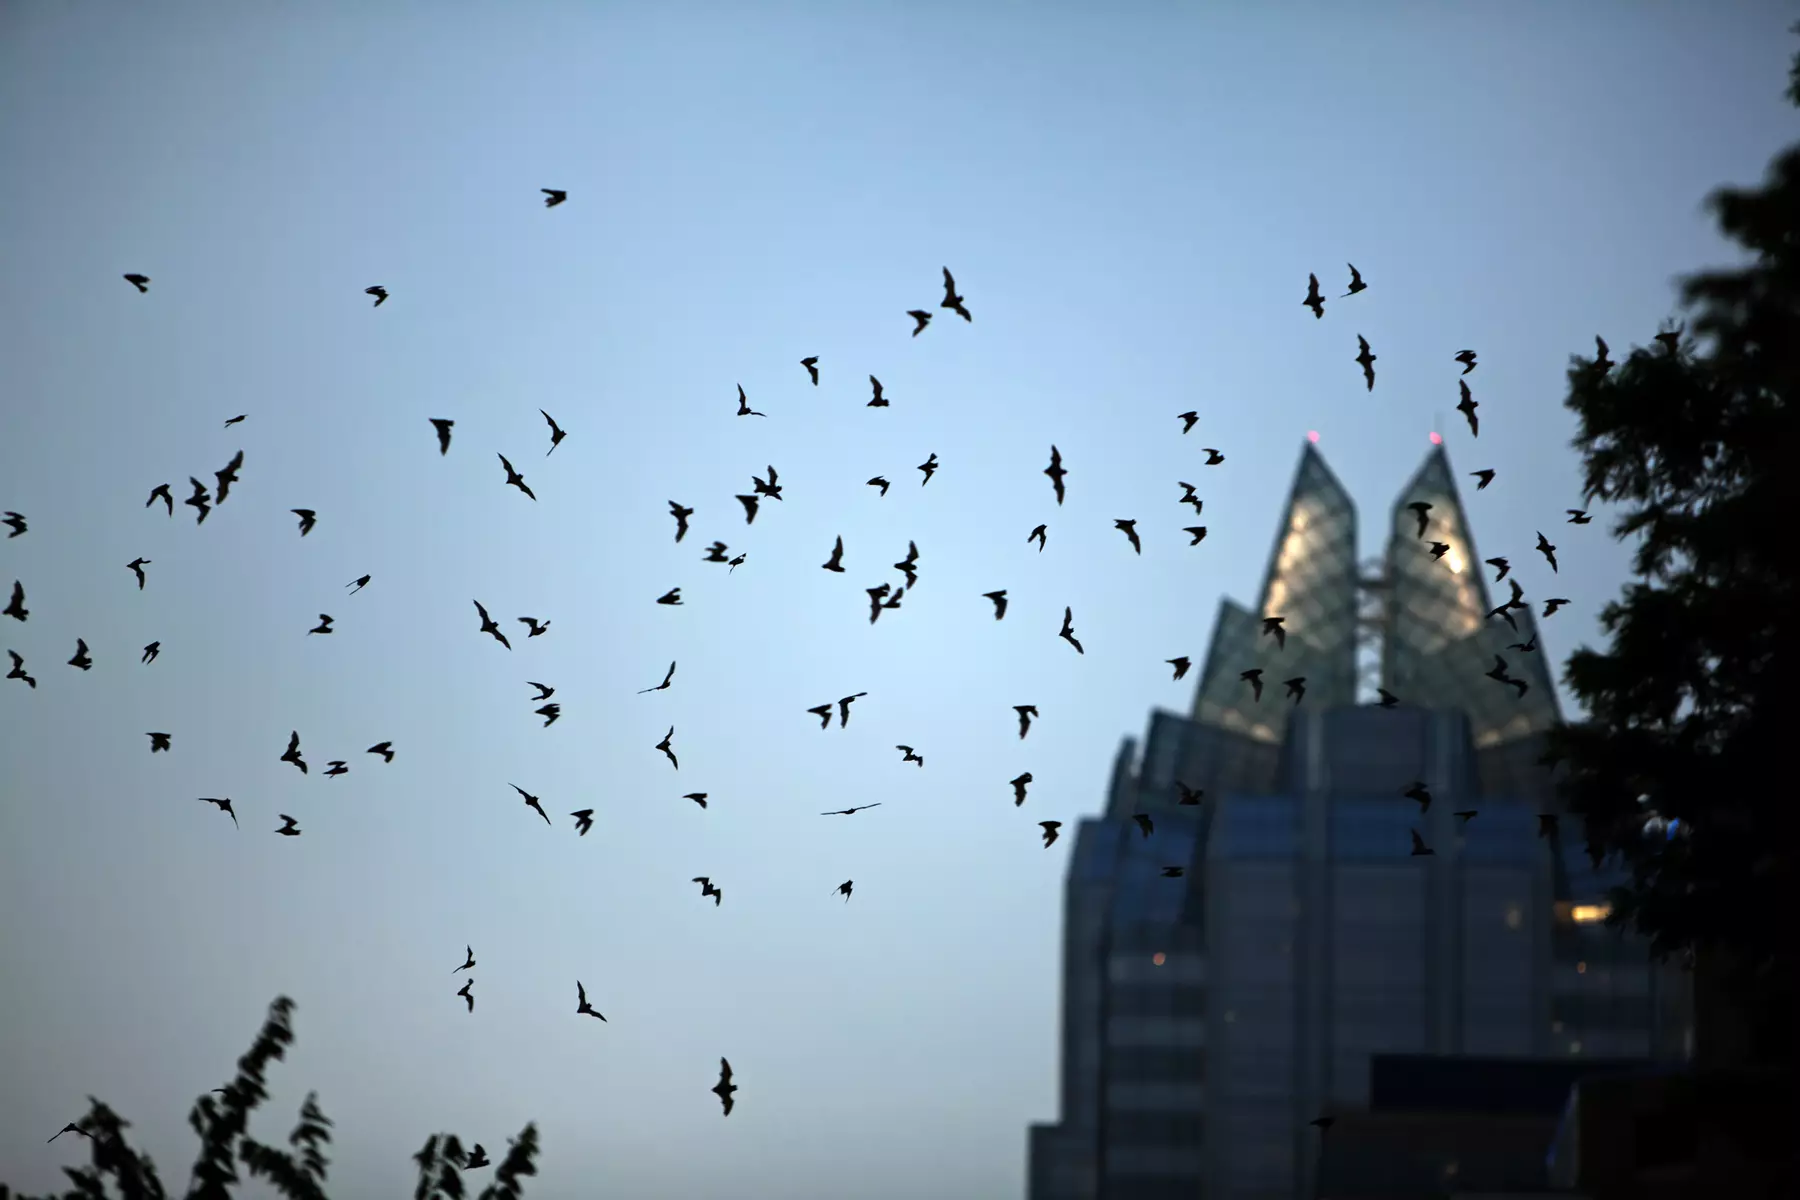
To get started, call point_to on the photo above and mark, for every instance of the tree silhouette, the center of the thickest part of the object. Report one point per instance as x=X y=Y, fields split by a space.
x=297 y=1173
x=1793 y=92
x=1684 y=766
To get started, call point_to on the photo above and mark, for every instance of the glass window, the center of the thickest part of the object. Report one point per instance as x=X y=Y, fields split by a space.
x=1162 y=1187
x=1258 y=827
x=1096 y=849
x=1507 y=832
x=1157 y=1064
x=1368 y=828
x=1150 y=998
x=1581 y=1014
x=1132 y=1097
x=1126 y=1029
x=1158 y=1127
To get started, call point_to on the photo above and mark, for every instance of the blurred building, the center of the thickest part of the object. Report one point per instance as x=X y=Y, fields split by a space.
x=1207 y=1019
x=1454 y=1125
x=1680 y=1133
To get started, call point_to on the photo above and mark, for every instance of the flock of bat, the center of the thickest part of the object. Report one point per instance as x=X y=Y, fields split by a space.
x=883 y=597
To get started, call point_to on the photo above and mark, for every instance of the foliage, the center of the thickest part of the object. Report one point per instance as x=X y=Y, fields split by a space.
x=1690 y=708
x=297 y=1173
x=1793 y=92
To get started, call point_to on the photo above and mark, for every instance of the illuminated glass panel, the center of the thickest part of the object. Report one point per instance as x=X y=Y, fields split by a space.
x=1438 y=642
x=1311 y=582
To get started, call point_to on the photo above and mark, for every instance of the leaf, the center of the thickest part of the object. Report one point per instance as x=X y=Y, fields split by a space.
x=220 y=1124
x=310 y=1137
x=520 y=1161
x=427 y=1160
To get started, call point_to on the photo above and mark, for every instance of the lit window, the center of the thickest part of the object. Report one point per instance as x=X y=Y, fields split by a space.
x=1575 y=1047
x=1159 y=958
x=1450 y=1168
x=1588 y=914
x=1581 y=968
x=1556 y=1027
x=1515 y=916
x=1230 y=1016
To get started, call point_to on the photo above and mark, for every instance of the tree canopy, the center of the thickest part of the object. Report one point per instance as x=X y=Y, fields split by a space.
x=297 y=1173
x=1683 y=765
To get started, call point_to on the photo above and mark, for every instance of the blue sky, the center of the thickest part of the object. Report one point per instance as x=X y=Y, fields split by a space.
x=1131 y=201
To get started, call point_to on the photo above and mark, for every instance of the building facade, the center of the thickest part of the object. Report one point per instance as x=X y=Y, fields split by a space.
x=1209 y=1017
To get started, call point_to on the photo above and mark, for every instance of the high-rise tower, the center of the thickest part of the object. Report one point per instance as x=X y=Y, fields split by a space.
x=1207 y=1019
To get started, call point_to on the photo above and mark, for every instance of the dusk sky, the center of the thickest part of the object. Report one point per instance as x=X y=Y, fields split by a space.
x=1131 y=198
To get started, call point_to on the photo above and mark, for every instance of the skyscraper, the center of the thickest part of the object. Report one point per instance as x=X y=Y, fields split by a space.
x=1209 y=1015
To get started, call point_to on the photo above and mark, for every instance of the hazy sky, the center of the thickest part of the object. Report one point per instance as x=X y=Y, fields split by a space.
x=1131 y=200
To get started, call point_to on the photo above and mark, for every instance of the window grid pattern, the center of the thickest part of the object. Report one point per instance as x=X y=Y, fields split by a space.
x=1610 y=1043
x=1253 y=993
x=1256 y=1141
x=1126 y=1030
x=1136 y=1158
x=1181 y=945
x=1501 y=832
x=1148 y=998
x=1156 y=1067
x=1253 y=827
x=1378 y=829
x=1159 y=1064
x=1377 y=969
x=1138 y=1097
x=1096 y=850
x=1220 y=761
x=1155 y=1187
x=1582 y=1015
x=1438 y=641
x=1141 y=894
x=1163 y=1128
x=1612 y=960
x=1204 y=756
x=1499 y=912
x=1368 y=749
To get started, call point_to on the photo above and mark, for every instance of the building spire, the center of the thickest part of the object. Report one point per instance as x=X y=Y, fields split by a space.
x=1311 y=580
x=1439 y=639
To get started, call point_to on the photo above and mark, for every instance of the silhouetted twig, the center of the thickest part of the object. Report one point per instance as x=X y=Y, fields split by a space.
x=220 y=1119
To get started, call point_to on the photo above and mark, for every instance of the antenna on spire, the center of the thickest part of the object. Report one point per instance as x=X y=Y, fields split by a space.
x=1437 y=439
